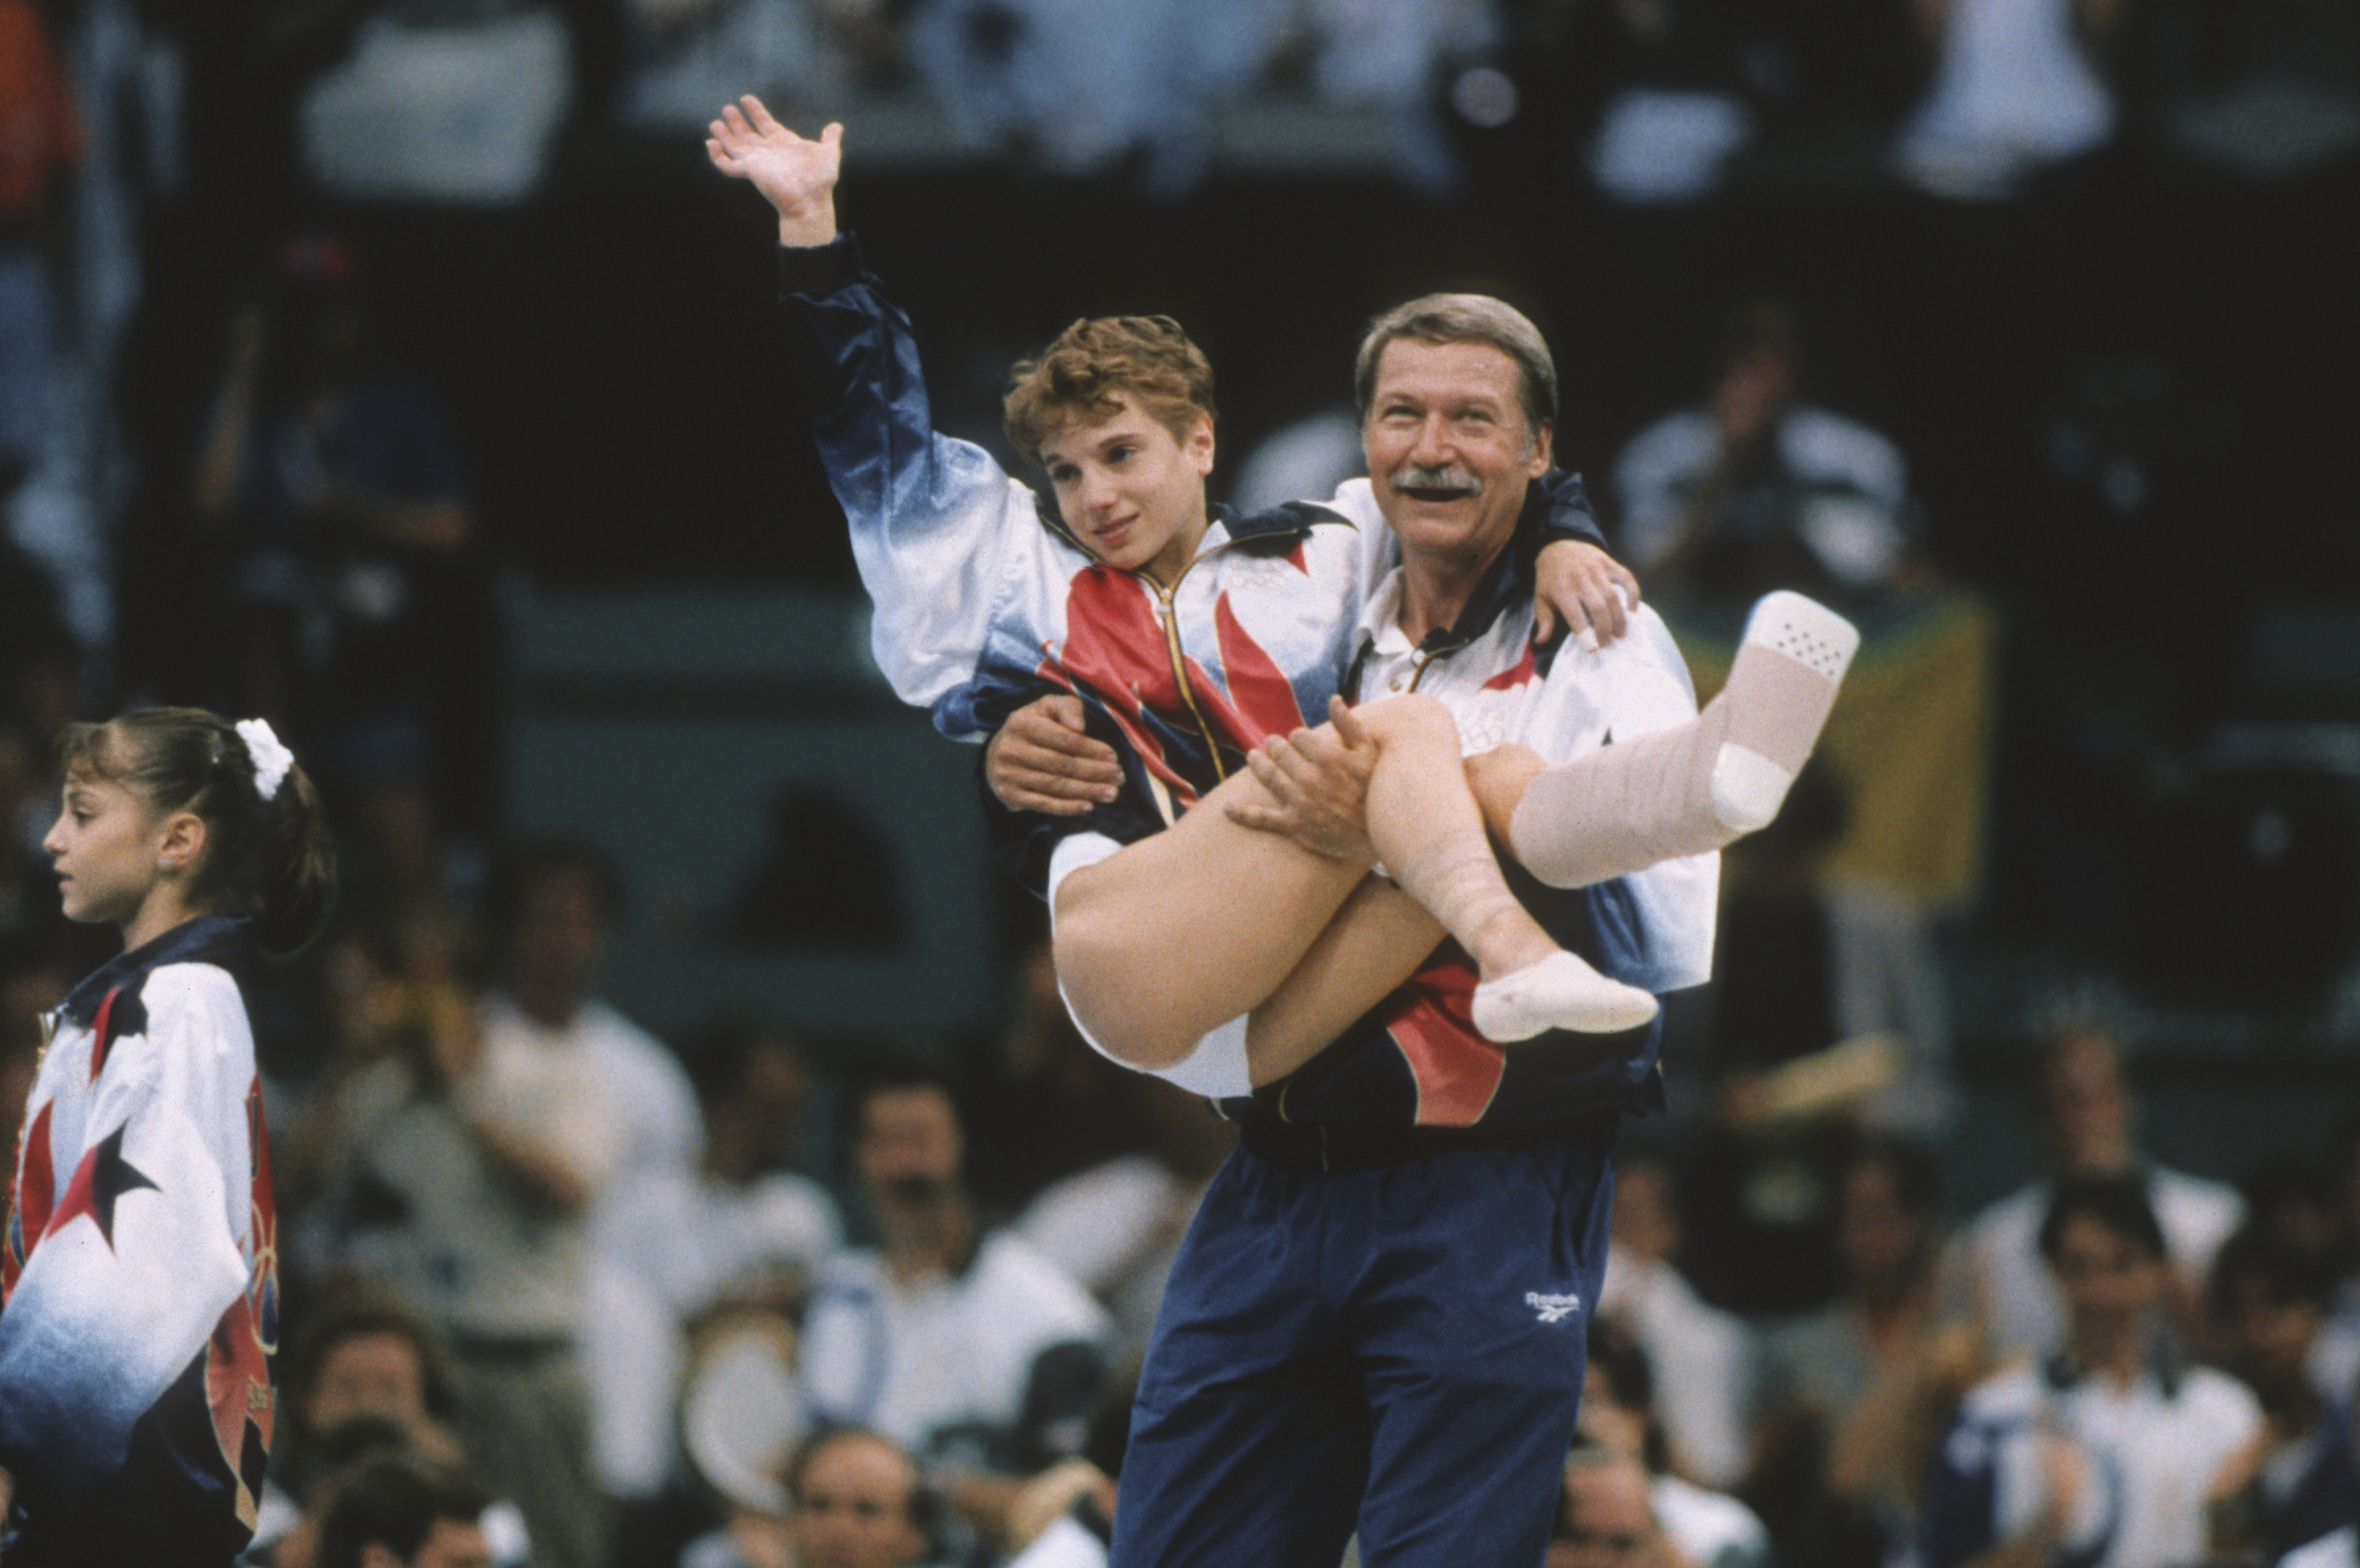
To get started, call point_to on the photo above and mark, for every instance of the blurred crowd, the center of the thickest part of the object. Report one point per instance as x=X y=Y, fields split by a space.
x=558 y=1291
x=324 y=323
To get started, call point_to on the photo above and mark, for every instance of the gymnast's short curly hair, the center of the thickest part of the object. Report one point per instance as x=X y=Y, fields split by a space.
x=1097 y=362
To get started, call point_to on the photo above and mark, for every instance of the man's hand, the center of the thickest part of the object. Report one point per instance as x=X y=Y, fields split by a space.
x=795 y=175
x=1041 y=760
x=1319 y=779
x=1588 y=589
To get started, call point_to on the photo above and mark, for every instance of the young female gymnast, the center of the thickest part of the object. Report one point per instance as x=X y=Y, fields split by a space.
x=1146 y=595
x=140 y=1272
x=1118 y=413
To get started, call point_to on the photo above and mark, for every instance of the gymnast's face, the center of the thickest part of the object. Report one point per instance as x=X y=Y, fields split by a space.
x=1132 y=493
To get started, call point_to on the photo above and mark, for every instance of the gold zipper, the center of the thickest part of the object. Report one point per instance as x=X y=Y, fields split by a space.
x=1163 y=610
x=1164 y=600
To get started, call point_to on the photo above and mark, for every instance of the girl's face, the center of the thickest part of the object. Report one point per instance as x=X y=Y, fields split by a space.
x=1132 y=495
x=108 y=847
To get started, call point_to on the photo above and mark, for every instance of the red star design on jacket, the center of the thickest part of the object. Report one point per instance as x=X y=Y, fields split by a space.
x=102 y=1178
x=29 y=1216
x=101 y=1033
x=1116 y=647
x=238 y=1359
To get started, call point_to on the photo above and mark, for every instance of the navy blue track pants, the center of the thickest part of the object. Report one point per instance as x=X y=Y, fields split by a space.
x=1397 y=1351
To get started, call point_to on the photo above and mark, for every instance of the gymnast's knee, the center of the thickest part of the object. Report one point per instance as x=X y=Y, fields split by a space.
x=1099 y=971
x=1410 y=717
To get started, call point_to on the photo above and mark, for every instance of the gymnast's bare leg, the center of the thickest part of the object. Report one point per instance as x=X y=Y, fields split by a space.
x=1194 y=927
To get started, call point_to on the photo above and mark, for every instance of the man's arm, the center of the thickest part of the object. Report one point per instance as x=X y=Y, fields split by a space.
x=1319 y=782
x=1041 y=761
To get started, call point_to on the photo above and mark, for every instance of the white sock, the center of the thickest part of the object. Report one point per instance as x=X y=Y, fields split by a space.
x=1457 y=879
x=1560 y=992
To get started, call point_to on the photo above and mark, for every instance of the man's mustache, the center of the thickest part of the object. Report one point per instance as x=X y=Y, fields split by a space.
x=1448 y=477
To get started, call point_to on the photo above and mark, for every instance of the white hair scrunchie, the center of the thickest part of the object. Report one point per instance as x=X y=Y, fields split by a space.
x=271 y=757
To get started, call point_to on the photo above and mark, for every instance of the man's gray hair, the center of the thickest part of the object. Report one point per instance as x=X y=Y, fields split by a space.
x=1464 y=318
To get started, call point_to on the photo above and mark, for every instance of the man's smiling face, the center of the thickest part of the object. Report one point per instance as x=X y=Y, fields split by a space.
x=1450 y=451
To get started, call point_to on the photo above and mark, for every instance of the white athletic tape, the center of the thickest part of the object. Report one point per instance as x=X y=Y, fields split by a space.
x=1747 y=788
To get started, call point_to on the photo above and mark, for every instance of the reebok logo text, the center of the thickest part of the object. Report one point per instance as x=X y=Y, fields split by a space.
x=1552 y=1309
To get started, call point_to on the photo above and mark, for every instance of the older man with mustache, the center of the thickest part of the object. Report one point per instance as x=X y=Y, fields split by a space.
x=1377 y=1323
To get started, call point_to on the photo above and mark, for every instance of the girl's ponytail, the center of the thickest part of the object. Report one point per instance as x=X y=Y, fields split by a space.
x=296 y=870
x=269 y=852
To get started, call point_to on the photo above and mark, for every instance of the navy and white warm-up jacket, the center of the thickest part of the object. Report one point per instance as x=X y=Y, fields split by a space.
x=984 y=603
x=138 y=1283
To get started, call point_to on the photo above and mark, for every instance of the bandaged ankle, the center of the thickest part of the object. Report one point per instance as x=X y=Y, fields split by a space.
x=1699 y=785
x=1457 y=879
x=1622 y=808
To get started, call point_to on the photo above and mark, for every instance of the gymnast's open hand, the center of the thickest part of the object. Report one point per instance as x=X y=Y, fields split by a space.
x=1586 y=588
x=795 y=175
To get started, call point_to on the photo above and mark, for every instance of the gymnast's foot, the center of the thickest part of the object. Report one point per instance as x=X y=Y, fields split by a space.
x=1560 y=992
x=1780 y=692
